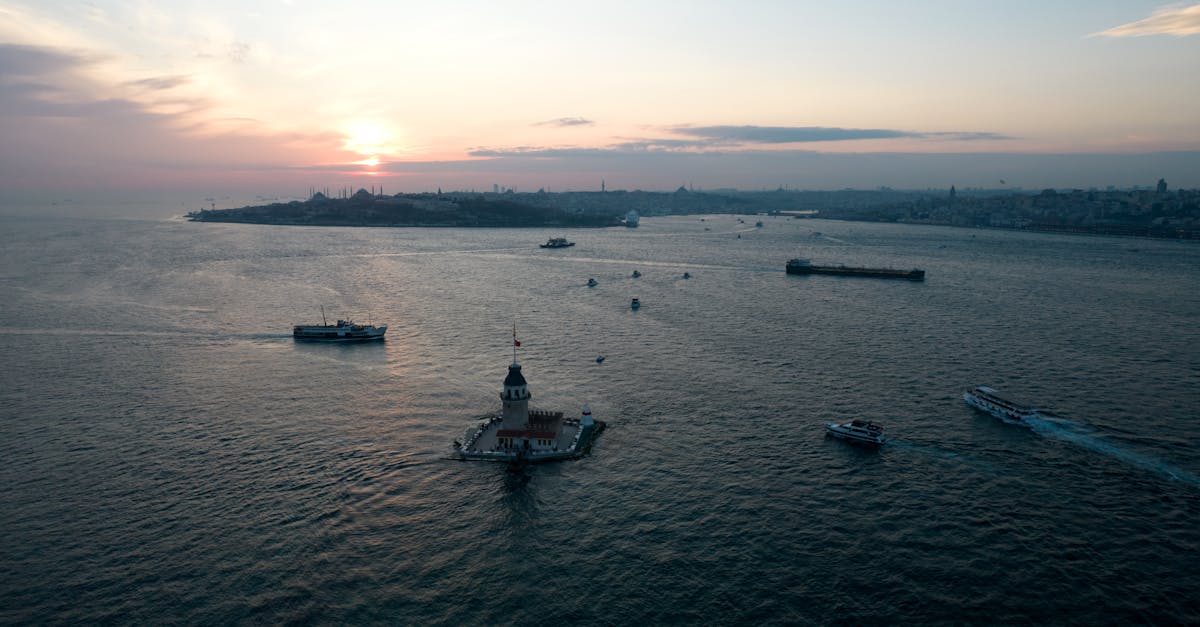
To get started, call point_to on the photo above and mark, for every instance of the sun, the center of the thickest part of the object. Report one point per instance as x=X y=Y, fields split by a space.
x=369 y=138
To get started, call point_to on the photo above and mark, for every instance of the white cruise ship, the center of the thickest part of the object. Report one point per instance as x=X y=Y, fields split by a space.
x=991 y=401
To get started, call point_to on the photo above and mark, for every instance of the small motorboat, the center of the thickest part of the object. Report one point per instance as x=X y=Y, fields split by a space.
x=636 y=274
x=600 y=359
x=687 y=275
x=592 y=283
x=863 y=431
x=635 y=303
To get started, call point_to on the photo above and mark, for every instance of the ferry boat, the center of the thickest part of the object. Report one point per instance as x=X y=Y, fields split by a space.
x=804 y=266
x=557 y=242
x=993 y=402
x=631 y=219
x=863 y=431
x=343 y=331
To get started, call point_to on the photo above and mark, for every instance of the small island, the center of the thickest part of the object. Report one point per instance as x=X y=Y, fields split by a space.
x=363 y=208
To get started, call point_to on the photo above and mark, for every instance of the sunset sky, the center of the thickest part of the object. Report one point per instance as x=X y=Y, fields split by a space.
x=274 y=97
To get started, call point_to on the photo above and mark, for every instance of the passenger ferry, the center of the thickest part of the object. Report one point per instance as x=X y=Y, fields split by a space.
x=343 y=331
x=863 y=431
x=989 y=400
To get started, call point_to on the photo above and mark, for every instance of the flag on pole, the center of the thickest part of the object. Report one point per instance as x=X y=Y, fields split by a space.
x=515 y=342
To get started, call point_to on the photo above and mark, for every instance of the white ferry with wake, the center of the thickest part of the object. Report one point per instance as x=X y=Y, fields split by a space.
x=993 y=402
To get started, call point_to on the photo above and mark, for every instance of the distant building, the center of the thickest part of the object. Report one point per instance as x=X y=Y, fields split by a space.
x=1162 y=186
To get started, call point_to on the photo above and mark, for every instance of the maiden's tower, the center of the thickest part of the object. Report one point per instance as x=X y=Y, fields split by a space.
x=518 y=433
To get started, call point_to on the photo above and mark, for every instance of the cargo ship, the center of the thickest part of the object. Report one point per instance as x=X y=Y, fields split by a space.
x=804 y=266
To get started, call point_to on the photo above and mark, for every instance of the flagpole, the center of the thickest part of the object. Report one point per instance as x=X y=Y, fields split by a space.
x=514 y=343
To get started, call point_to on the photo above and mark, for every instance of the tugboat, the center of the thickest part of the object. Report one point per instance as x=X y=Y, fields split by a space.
x=592 y=282
x=518 y=434
x=862 y=431
x=343 y=331
x=557 y=242
x=991 y=401
x=635 y=304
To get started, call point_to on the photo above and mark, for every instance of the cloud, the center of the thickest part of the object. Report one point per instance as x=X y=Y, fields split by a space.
x=534 y=152
x=582 y=168
x=63 y=126
x=160 y=83
x=712 y=139
x=732 y=135
x=25 y=61
x=566 y=122
x=636 y=146
x=783 y=134
x=1179 y=21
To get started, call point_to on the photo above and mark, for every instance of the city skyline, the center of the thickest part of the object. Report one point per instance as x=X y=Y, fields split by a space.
x=221 y=98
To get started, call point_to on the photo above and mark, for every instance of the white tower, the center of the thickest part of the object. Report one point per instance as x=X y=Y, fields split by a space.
x=515 y=397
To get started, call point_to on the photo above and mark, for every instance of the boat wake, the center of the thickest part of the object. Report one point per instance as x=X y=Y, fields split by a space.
x=945 y=455
x=1084 y=437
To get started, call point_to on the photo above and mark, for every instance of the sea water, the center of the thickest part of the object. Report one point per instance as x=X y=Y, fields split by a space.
x=170 y=454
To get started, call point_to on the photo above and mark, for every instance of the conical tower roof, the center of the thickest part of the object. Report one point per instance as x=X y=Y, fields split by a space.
x=514 y=378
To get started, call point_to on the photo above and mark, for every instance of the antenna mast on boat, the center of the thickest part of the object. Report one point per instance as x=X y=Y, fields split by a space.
x=323 y=320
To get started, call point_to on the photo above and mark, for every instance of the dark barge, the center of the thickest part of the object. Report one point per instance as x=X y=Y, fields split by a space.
x=804 y=266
